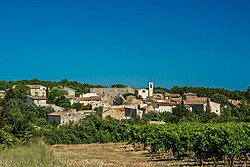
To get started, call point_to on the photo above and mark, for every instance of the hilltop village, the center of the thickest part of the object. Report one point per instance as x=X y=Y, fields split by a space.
x=117 y=102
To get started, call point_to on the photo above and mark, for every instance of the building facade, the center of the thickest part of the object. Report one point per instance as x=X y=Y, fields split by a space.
x=108 y=94
x=37 y=100
x=143 y=93
x=37 y=90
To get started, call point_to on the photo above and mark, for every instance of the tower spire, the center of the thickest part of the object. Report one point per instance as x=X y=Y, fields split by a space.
x=150 y=88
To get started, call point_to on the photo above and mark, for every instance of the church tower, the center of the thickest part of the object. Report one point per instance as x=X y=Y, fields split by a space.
x=150 y=89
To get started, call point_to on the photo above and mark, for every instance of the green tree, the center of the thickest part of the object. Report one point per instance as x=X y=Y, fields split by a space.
x=219 y=98
x=56 y=92
x=118 y=100
x=19 y=92
x=87 y=107
x=181 y=111
x=5 y=85
x=118 y=86
x=98 y=110
x=63 y=102
x=77 y=106
x=248 y=93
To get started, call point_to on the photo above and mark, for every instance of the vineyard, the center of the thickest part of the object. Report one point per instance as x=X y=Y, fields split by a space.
x=227 y=143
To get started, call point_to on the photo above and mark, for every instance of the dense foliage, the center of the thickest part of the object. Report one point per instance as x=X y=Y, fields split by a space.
x=18 y=121
x=201 y=141
x=92 y=129
x=79 y=87
x=209 y=92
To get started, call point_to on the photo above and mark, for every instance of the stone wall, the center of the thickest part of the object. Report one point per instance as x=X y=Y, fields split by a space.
x=110 y=93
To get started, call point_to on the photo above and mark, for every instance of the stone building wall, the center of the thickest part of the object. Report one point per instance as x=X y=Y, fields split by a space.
x=110 y=93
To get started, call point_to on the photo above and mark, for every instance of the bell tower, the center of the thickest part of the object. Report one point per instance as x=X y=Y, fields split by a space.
x=150 y=89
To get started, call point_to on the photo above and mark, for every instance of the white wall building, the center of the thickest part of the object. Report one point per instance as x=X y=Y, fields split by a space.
x=88 y=95
x=150 y=89
x=142 y=92
x=37 y=100
x=37 y=90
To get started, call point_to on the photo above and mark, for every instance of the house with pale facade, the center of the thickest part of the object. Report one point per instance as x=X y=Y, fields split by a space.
x=163 y=106
x=201 y=103
x=37 y=100
x=2 y=94
x=37 y=90
x=143 y=93
x=88 y=95
x=103 y=104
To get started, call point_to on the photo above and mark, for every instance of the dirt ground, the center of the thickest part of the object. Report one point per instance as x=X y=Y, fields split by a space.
x=102 y=155
x=120 y=155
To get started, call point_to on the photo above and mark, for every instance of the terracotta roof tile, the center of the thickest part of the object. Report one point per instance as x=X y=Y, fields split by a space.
x=38 y=97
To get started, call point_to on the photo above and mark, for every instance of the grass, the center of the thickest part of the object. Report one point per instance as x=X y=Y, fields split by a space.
x=33 y=155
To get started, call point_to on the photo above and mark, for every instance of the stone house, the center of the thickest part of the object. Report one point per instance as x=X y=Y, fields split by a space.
x=163 y=106
x=201 y=103
x=158 y=96
x=133 y=111
x=91 y=100
x=177 y=100
x=116 y=113
x=170 y=95
x=189 y=95
x=71 y=98
x=100 y=104
x=83 y=100
x=66 y=117
x=37 y=100
x=55 y=107
x=71 y=92
x=108 y=94
x=37 y=90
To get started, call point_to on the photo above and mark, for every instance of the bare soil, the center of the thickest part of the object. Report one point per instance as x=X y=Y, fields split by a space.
x=102 y=155
x=121 y=155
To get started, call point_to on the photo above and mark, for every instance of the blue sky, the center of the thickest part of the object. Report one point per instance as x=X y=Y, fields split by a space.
x=185 y=43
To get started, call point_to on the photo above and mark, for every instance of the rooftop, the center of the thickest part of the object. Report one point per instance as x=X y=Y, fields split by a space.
x=37 y=97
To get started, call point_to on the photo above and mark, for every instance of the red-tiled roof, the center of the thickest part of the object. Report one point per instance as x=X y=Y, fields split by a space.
x=172 y=95
x=197 y=100
x=37 y=97
x=58 y=113
x=69 y=97
x=190 y=93
x=236 y=103
x=34 y=86
x=92 y=98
